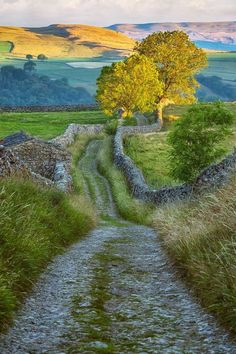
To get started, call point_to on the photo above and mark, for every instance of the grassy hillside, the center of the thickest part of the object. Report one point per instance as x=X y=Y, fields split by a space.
x=200 y=237
x=46 y=125
x=35 y=224
x=212 y=35
x=71 y=41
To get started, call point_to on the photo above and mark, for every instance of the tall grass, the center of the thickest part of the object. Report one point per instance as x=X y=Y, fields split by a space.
x=201 y=237
x=151 y=155
x=129 y=208
x=36 y=223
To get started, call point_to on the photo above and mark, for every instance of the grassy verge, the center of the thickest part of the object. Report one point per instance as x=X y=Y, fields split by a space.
x=35 y=224
x=129 y=208
x=46 y=125
x=150 y=153
x=201 y=237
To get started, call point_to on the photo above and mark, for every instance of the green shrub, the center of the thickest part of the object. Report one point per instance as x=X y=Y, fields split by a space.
x=130 y=121
x=195 y=139
x=111 y=126
x=36 y=223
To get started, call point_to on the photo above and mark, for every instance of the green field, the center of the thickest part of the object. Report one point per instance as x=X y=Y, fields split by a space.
x=46 y=125
x=150 y=152
x=222 y=65
x=60 y=68
x=5 y=47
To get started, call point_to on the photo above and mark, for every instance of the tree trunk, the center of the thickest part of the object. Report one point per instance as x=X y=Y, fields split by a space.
x=159 y=115
x=120 y=116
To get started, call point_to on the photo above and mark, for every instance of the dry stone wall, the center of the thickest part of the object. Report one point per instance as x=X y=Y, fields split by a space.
x=11 y=165
x=41 y=156
x=214 y=176
x=47 y=162
x=73 y=130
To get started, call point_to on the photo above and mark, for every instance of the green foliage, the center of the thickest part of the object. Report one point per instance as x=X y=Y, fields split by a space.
x=29 y=56
x=36 y=223
x=111 y=126
x=196 y=137
x=30 y=66
x=25 y=88
x=177 y=60
x=131 y=85
x=130 y=122
x=42 y=57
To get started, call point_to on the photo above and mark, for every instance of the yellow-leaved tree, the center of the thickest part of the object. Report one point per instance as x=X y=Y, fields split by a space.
x=178 y=60
x=129 y=86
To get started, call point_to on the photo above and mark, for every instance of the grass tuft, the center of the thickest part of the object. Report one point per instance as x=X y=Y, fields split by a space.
x=36 y=224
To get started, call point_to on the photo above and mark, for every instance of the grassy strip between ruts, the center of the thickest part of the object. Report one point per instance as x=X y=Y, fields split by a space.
x=201 y=238
x=77 y=150
x=129 y=208
x=36 y=223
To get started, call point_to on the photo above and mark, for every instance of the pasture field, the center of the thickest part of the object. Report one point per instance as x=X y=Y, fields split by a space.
x=5 y=47
x=46 y=125
x=222 y=65
x=79 y=71
x=84 y=72
x=150 y=153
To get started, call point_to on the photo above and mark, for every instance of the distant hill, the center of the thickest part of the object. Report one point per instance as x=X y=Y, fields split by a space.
x=208 y=35
x=64 y=41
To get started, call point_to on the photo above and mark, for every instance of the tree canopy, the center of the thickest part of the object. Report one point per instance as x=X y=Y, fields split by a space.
x=178 y=60
x=42 y=57
x=196 y=137
x=20 y=87
x=129 y=86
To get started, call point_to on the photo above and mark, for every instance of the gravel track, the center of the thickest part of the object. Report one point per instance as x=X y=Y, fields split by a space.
x=113 y=292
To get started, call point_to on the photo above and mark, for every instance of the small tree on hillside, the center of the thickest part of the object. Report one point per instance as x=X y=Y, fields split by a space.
x=177 y=60
x=129 y=86
x=196 y=137
x=30 y=67
x=29 y=56
x=42 y=57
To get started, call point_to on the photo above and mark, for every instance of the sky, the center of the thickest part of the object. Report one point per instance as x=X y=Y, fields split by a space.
x=108 y=12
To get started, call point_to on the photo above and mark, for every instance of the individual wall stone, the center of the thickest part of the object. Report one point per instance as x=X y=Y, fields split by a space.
x=61 y=177
x=11 y=165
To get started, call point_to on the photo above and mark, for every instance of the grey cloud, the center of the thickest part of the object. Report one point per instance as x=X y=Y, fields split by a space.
x=105 y=12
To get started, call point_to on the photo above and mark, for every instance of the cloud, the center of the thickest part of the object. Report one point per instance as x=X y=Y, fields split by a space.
x=106 y=12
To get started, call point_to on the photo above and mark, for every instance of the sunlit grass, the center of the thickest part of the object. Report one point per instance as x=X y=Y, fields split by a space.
x=46 y=125
x=201 y=237
x=151 y=152
x=89 y=41
x=36 y=223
